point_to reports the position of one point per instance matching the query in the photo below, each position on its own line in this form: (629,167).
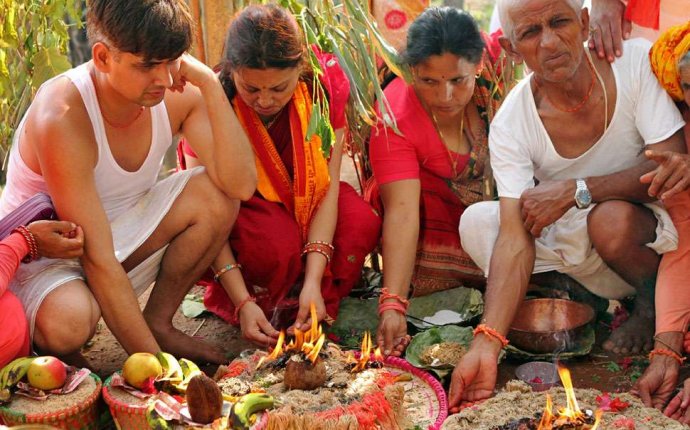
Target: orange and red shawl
(303,194)
(644,13)
(665,54)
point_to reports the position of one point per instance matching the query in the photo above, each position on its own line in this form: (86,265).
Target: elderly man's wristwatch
(583,198)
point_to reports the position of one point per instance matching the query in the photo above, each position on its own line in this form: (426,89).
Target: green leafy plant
(33,48)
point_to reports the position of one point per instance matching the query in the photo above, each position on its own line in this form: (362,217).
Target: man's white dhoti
(564,246)
(34,281)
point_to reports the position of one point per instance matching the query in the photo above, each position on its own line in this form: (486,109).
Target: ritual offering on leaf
(561,408)
(43,390)
(313,384)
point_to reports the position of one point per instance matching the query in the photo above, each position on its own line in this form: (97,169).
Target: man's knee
(213,206)
(479,225)
(66,319)
(616,226)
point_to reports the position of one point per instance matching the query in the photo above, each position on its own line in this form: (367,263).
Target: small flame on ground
(569,415)
(309,342)
(572,409)
(277,351)
(547,416)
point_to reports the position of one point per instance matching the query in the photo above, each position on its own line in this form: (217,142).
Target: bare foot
(182,345)
(635,335)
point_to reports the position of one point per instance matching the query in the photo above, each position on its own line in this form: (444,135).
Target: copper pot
(549,325)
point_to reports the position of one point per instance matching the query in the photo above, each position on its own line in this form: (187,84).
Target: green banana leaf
(425,339)
(466,302)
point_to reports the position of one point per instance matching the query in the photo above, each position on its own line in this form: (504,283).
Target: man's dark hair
(153,29)
(440,30)
(261,37)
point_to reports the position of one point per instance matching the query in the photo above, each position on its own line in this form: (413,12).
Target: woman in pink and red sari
(429,174)
(302,238)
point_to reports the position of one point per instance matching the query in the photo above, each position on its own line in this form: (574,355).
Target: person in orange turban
(669,58)
(670,61)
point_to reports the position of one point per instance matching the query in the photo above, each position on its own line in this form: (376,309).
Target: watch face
(583,198)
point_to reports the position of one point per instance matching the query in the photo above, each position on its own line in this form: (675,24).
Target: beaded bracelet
(385,295)
(30,241)
(392,306)
(225,269)
(483,328)
(667,353)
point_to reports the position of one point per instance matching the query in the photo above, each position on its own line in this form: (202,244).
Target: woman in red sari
(302,238)
(427,176)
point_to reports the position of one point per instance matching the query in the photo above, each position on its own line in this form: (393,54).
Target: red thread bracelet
(385,295)
(392,306)
(239,307)
(483,328)
(667,353)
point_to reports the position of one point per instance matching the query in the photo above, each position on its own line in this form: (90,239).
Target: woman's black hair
(261,37)
(440,30)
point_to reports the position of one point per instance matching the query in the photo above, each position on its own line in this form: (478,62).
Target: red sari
(420,153)
(270,230)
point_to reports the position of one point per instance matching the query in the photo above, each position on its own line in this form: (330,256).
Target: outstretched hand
(678,406)
(474,377)
(608,28)
(671,176)
(657,383)
(58,239)
(391,335)
(254,325)
(545,204)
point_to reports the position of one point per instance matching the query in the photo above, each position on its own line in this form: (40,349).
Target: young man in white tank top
(95,139)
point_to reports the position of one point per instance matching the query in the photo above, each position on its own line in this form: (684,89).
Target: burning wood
(570,417)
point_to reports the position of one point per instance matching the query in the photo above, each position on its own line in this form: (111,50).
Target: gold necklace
(453,160)
(272,121)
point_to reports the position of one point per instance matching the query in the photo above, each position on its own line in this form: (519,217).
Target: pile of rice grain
(518,401)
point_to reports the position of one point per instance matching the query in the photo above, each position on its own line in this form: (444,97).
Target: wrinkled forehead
(528,10)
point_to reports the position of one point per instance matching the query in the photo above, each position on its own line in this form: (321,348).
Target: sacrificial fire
(304,369)
(570,417)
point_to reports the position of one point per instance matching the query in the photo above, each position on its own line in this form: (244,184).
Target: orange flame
(572,409)
(365,353)
(547,416)
(569,415)
(378,356)
(277,351)
(309,342)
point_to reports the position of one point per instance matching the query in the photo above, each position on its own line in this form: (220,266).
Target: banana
(246,406)
(14,372)
(5,395)
(189,370)
(171,367)
(154,420)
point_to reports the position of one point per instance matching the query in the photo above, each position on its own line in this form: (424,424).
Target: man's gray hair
(507,24)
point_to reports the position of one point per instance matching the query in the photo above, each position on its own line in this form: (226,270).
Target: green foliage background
(33,48)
